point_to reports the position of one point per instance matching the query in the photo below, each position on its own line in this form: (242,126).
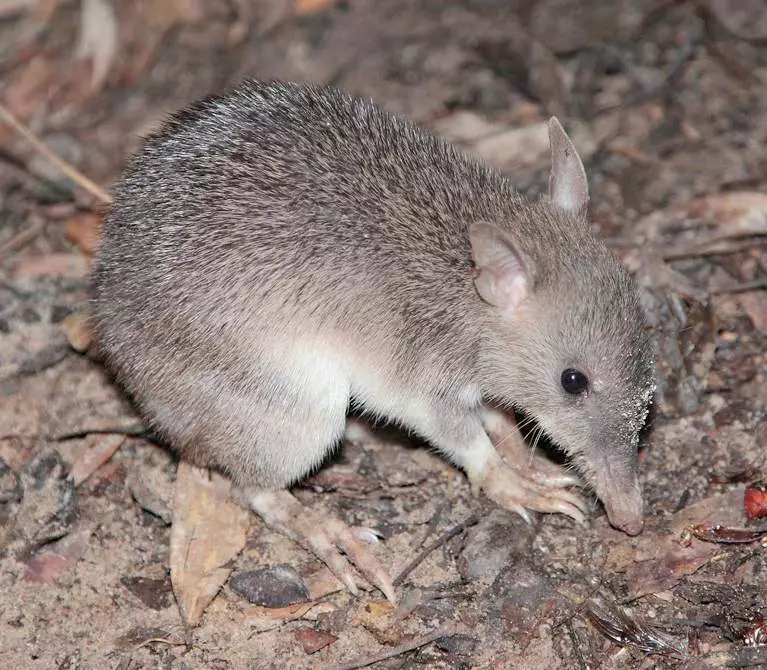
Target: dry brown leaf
(312,6)
(313,640)
(734,213)
(754,304)
(28,88)
(209,529)
(499,145)
(745,19)
(504,147)
(77,331)
(59,556)
(96,450)
(322,583)
(164,15)
(658,559)
(84,231)
(45,10)
(61,265)
(98,38)
(10,7)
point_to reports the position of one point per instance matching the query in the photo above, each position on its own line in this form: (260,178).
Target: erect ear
(503,276)
(568,186)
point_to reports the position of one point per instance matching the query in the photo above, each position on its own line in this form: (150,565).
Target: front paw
(520,493)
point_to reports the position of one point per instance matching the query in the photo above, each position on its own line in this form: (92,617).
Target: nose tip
(632,526)
(628,518)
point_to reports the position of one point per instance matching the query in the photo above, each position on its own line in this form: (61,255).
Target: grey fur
(280,230)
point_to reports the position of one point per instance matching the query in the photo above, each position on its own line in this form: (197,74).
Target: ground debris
(625,629)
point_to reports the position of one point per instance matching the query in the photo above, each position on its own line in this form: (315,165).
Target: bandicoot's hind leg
(267,438)
(326,537)
(284,441)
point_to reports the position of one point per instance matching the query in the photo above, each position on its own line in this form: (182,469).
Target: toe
(359,555)
(324,549)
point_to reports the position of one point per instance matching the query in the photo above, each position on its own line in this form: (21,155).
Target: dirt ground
(667,103)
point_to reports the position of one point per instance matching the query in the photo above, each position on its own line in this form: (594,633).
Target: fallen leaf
(84,230)
(45,565)
(96,450)
(59,264)
(28,87)
(10,7)
(45,9)
(312,6)
(188,11)
(499,145)
(155,593)
(520,51)
(754,304)
(322,583)
(658,558)
(98,38)
(734,213)
(78,334)
(313,640)
(209,529)
(746,19)
(508,148)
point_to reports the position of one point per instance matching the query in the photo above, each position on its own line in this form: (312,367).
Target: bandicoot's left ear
(568,186)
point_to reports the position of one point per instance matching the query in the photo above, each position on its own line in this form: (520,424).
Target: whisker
(508,436)
(525,422)
(538,435)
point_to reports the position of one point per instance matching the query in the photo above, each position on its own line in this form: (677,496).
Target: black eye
(574,381)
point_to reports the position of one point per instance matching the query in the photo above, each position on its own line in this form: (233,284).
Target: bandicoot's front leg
(510,483)
(508,441)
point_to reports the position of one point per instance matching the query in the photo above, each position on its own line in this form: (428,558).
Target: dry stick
(709,248)
(443,631)
(75,175)
(474,518)
(754,285)
(23,238)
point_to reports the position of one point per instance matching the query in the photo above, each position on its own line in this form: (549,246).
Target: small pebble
(278,586)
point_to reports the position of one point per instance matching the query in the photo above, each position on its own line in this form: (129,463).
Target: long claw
(515,491)
(323,536)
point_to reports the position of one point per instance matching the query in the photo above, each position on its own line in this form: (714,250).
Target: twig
(754,285)
(23,238)
(75,175)
(708,248)
(443,631)
(431,527)
(474,518)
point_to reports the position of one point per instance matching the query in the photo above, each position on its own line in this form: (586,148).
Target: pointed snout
(629,520)
(620,494)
